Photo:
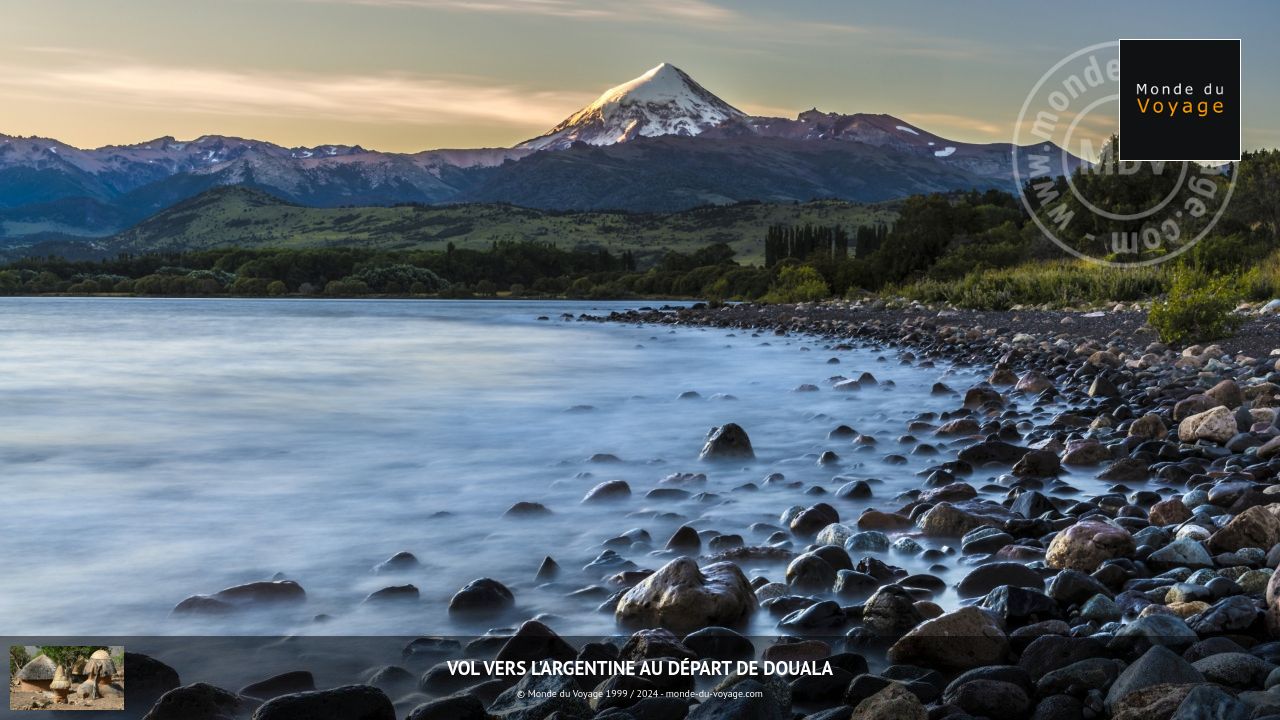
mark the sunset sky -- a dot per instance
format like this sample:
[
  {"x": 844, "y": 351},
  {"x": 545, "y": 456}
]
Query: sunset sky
[{"x": 407, "y": 75}]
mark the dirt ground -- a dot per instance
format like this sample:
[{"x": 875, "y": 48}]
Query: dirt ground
[{"x": 22, "y": 701}]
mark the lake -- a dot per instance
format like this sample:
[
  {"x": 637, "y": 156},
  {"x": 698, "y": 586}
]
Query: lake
[{"x": 154, "y": 449}]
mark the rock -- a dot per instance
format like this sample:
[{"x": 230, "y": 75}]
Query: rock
[
  {"x": 148, "y": 679},
  {"x": 1085, "y": 545},
  {"x": 1152, "y": 703},
  {"x": 350, "y": 702},
  {"x": 1038, "y": 463},
  {"x": 834, "y": 534},
  {"x": 1031, "y": 503},
  {"x": 890, "y": 612},
  {"x": 995, "y": 699},
  {"x": 946, "y": 520},
  {"x": 392, "y": 594},
  {"x": 854, "y": 585},
  {"x": 685, "y": 539},
  {"x": 1050, "y": 652},
  {"x": 992, "y": 451},
  {"x": 1103, "y": 387},
  {"x": 1033, "y": 383},
  {"x": 484, "y": 596},
  {"x": 1072, "y": 587},
  {"x": 719, "y": 643},
  {"x": 727, "y": 442},
  {"x": 1148, "y": 427},
  {"x": 1100, "y": 609},
  {"x": 525, "y": 508},
  {"x": 868, "y": 541},
  {"x": 1181, "y": 553},
  {"x": 393, "y": 680},
  {"x": 682, "y": 597},
  {"x": 1157, "y": 666},
  {"x": 1157, "y": 629},
  {"x": 282, "y": 684},
  {"x": 1085, "y": 452},
  {"x": 1169, "y": 512},
  {"x": 1217, "y": 425},
  {"x": 277, "y": 592},
  {"x": 825, "y": 615},
  {"x": 535, "y": 641},
  {"x": 540, "y": 696},
  {"x": 400, "y": 562},
  {"x": 1228, "y": 615},
  {"x": 1226, "y": 393},
  {"x": 894, "y": 702},
  {"x": 1080, "y": 677},
  {"x": 457, "y": 707},
  {"x": 1256, "y": 527},
  {"x": 1236, "y": 669},
  {"x": 199, "y": 701},
  {"x": 1059, "y": 707},
  {"x": 810, "y": 573},
  {"x": 812, "y": 519},
  {"x": 608, "y": 491},
  {"x": 960, "y": 426},
  {"x": 958, "y": 640},
  {"x": 1207, "y": 702},
  {"x": 1019, "y": 606},
  {"x": 985, "y": 578},
  {"x": 878, "y": 520}
]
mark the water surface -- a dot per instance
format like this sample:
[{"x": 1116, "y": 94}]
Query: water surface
[{"x": 155, "y": 449}]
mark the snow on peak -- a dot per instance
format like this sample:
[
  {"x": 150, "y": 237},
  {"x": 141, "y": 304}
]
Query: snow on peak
[{"x": 663, "y": 101}]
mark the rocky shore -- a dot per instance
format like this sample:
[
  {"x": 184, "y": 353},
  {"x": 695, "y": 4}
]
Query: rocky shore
[{"x": 1148, "y": 595}]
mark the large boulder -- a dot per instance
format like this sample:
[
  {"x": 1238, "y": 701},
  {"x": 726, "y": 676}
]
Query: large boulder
[
  {"x": 1157, "y": 666},
  {"x": 351, "y": 702},
  {"x": 199, "y": 701},
  {"x": 1215, "y": 425},
  {"x": 148, "y": 679},
  {"x": 960, "y": 640},
  {"x": 484, "y": 596},
  {"x": 249, "y": 595},
  {"x": 539, "y": 696},
  {"x": 894, "y": 702},
  {"x": 1085, "y": 545},
  {"x": 727, "y": 442},
  {"x": 682, "y": 597},
  {"x": 891, "y": 611},
  {"x": 1256, "y": 527}
]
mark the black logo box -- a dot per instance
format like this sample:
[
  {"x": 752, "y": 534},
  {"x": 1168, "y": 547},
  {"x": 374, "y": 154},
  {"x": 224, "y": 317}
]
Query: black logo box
[{"x": 1187, "y": 64}]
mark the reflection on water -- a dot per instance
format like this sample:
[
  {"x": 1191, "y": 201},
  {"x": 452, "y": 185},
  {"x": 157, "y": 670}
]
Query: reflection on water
[{"x": 155, "y": 449}]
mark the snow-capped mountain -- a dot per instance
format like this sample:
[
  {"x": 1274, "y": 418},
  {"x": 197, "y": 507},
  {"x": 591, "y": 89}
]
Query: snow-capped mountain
[
  {"x": 658, "y": 143},
  {"x": 663, "y": 101}
]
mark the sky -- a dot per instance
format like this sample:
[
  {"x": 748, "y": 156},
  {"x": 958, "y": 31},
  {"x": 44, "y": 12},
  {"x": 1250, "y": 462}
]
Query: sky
[{"x": 410, "y": 75}]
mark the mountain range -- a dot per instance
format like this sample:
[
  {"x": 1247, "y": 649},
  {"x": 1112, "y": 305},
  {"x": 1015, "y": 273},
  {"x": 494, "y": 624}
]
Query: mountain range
[{"x": 658, "y": 143}]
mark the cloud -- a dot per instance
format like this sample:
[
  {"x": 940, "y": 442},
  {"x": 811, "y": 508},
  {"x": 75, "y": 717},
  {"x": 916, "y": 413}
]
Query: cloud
[
  {"x": 934, "y": 121},
  {"x": 385, "y": 98},
  {"x": 620, "y": 10}
]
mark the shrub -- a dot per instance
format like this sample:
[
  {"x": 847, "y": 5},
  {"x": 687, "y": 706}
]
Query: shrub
[
  {"x": 798, "y": 283},
  {"x": 398, "y": 277},
  {"x": 346, "y": 287},
  {"x": 1197, "y": 308},
  {"x": 276, "y": 288}
]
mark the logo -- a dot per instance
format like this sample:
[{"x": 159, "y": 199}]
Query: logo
[{"x": 1080, "y": 193}]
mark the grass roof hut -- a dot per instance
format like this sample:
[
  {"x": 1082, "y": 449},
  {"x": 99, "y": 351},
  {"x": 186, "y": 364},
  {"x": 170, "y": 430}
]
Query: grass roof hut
[
  {"x": 99, "y": 668},
  {"x": 37, "y": 675}
]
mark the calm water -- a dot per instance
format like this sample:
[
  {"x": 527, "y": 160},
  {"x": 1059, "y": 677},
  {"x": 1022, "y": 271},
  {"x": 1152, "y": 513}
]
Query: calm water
[{"x": 155, "y": 449}]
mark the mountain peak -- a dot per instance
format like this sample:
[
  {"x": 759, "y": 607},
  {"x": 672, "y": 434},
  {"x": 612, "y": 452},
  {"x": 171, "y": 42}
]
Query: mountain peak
[{"x": 662, "y": 101}]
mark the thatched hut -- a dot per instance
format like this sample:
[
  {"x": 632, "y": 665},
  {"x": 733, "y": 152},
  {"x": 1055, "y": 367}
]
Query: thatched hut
[
  {"x": 37, "y": 675},
  {"x": 99, "y": 669}
]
